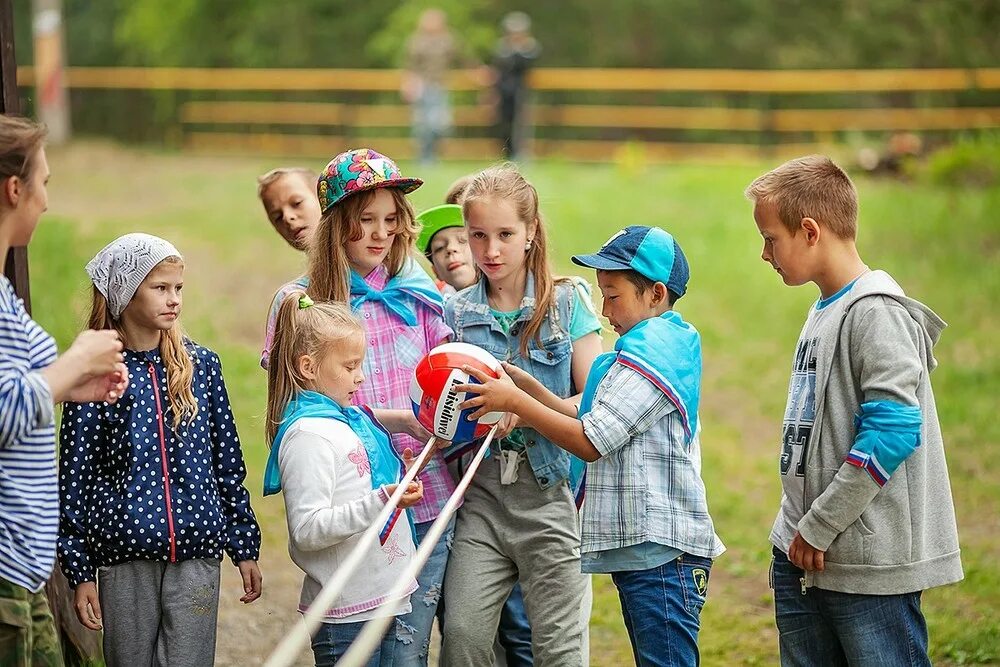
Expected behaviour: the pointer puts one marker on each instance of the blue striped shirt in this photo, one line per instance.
(29, 495)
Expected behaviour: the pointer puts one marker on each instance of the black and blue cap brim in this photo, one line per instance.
(600, 262)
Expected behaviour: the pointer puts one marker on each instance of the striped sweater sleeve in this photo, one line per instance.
(25, 398)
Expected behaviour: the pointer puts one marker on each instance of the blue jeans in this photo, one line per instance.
(514, 632)
(333, 639)
(662, 610)
(831, 628)
(413, 630)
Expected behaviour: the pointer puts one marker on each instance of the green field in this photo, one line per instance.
(943, 246)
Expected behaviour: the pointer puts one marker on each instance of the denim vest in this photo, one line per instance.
(468, 314)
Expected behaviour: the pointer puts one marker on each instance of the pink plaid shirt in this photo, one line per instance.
(393, 351)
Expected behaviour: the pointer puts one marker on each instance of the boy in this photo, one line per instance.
(645, 520)
(866, 519)
(445, 244)
(289, 198)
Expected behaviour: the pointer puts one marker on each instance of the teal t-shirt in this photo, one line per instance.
(583, 322)
(643, 556)
(584, 319)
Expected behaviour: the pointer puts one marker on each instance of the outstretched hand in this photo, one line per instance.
(494, 394)
(524, 381)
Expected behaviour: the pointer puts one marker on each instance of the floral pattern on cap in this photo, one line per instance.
(359, 170)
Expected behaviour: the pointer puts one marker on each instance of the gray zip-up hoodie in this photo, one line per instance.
(901, 537)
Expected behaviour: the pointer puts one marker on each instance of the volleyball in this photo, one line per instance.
(434, 399)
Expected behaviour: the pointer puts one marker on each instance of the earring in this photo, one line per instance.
(527, 246)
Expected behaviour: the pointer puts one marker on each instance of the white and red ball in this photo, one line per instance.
(434, 399)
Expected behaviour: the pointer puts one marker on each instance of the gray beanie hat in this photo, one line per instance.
(121, 266)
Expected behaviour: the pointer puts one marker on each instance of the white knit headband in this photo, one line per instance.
(121, 266)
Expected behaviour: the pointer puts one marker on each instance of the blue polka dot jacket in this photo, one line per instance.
(132, 488)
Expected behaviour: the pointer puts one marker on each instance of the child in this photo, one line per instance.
(866, 519)
(445, 243)
(289, 198)
(152, 487)
(336, 467)
(360, 255)
(646, 519)
(519, 520)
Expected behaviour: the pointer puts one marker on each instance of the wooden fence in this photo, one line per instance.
(578, 113)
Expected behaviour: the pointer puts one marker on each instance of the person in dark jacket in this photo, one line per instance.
(516, 53)
(151, 488)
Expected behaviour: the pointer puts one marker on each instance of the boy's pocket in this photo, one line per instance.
(694, 572)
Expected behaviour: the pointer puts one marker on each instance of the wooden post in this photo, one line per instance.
(16, 266)
(76, 638)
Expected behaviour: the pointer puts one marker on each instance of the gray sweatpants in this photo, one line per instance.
(504, 533)
(159, 614)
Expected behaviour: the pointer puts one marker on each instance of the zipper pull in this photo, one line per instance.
(802, 581)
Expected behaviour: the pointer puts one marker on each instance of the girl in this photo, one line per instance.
(360, 254)
(519, 519)
(32, 377)
(152, 487)
(336, 467)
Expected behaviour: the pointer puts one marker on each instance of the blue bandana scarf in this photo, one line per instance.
(411, 284)
(386, 467)
(665, 350)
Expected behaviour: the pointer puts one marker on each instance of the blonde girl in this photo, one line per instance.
(519, 520)
(151, 488)
(336, 467)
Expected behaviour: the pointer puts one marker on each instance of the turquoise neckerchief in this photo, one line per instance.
(412, 283)
(385, 464)
(665, 350)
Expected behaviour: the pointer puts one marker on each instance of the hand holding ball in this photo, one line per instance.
(434, 399)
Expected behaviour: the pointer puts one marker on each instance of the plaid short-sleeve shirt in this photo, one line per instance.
(647, 485)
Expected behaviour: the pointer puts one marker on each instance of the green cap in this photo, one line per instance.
(434, 220)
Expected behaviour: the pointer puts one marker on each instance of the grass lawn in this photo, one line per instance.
(943, 246)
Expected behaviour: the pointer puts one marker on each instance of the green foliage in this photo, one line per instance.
(974, 161)
(594, 33)
(466, 18)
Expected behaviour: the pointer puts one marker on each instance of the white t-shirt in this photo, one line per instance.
(821, 325)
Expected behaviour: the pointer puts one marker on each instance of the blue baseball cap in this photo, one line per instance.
(649, 251)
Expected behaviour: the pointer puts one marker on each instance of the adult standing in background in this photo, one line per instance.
(32, 379)
(430, 54)
(515, 55)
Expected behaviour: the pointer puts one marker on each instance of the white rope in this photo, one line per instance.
(298, 638)
(373, 632)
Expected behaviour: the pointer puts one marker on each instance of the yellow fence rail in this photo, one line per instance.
(300, 127)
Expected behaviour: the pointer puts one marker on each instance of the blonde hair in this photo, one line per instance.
(329, 269)
(270, 178)
(505, 183)
(176, 360)
(300, 331)
(809, 187)
(457, 190)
